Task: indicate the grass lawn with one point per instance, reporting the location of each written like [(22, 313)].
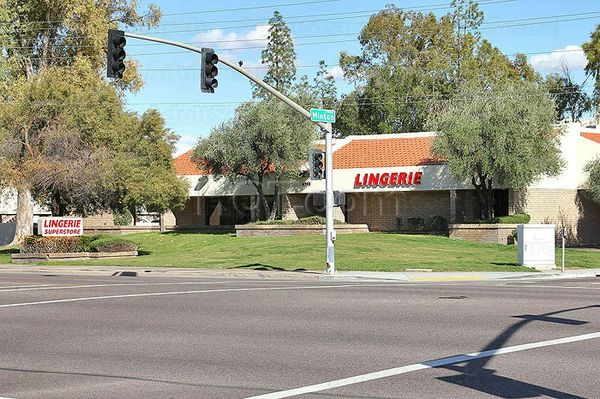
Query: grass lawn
[(364, 252)]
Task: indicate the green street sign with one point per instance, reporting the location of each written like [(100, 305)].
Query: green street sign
[(322, 115)]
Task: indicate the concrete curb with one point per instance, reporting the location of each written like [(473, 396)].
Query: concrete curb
[(412, 277)]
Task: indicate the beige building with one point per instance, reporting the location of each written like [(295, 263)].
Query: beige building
[(391, 182)]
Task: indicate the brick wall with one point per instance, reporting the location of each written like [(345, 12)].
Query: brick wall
[(193, 214), (390, 211), (102, 219), (565, 208)]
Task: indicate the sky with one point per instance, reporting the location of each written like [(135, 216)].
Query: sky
[(550, 32)]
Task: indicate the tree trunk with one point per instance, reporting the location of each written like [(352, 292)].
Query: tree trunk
[(24, 225), (278, 207)]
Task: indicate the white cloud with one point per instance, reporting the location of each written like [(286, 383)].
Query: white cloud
[(230, 42), (336, 72), (572, 56), (185, 143)]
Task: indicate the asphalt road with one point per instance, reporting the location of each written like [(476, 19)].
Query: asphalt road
[(134, 337)]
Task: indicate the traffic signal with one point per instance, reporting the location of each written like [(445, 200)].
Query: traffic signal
[(316, 162), (115, 65), (209, 71)]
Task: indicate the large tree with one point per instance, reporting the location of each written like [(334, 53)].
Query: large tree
[(593, 181), (410, 59), (592, 53), (499, 136), (263, 139), (39, 35), (279, 56), (570, 100)]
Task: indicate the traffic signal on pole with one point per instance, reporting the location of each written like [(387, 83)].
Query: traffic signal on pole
[(209, 71), (316, 162), (115, 65)]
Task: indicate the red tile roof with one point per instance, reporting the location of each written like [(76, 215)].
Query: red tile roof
[(591, 136), (360, 153), (185, 166), (386, 152)]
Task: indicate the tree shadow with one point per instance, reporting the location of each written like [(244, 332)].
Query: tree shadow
[(504, 263), (8, 251), (475, 375), (142, 252), (263, 267)]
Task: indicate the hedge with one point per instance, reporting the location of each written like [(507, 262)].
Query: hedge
[(94, 243)]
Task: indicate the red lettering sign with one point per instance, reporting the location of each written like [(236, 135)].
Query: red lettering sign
[(61, 226), (389, 180)]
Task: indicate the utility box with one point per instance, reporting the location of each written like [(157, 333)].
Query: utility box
[(536, 246)]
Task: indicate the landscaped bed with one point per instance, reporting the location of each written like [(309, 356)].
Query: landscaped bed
[(361, 251), (38, 248)]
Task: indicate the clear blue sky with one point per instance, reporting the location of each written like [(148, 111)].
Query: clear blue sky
[(321, 29)]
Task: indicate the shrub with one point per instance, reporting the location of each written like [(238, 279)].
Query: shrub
[(112, 244), (436, 223), (39, 244), (304, 221), (122, 218), (517, 218), (415, 224)]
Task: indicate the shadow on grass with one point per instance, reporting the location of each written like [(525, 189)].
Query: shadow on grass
[(262, 267), (200, 231), (504, 263), (9, 251), (144, 253)]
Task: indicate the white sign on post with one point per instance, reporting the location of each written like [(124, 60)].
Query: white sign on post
[(60, 227)]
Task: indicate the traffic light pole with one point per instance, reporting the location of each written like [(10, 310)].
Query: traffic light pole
[(325, 127)]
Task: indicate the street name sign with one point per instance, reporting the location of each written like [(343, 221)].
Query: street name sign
[(322, 115)]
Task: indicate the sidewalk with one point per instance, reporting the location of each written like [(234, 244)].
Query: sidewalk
[(108, 271)]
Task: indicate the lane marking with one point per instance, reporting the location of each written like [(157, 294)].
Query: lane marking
[(567, 287), (421, 366), (2, 288), (96, 298), (448, 278), (68, 287)]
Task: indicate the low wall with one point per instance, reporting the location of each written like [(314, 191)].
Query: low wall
[(121, 230), (249, 230), (56, 257), (490, 233)]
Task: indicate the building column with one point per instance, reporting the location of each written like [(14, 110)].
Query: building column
[(452, 207)]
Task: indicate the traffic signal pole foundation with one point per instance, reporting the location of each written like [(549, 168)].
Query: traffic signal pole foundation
[(325, 128)]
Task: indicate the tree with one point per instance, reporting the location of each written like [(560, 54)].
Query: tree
[(36, 36), (324, 88), (263, 139), (592, 53), (498, 137), (570, 100), (279, 56), (410, 59), (593, 182), (83, 154)]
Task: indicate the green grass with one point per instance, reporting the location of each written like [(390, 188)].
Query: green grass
[(357, 252), (5, 255)]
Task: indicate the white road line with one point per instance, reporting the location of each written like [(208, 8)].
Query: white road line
[(566, 287), (2, 288), (70, 287), (421, 366), (95, 298)]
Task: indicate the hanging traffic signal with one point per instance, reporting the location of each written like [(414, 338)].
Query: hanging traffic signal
[(316, 162), (115, 65), (209, 71)]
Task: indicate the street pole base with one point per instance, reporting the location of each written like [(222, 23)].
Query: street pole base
[(330, 268)]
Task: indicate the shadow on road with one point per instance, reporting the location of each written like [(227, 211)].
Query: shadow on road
[(475, 375), (263, 267)]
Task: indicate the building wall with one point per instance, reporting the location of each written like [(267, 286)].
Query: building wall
[(193, 214), (567, 208), (102, 219), (389, 211)]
